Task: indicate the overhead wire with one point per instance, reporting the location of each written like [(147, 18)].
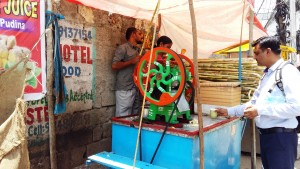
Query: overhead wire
[(260, 7)]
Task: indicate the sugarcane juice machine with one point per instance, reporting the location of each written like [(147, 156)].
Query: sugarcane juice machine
[(169, 87)]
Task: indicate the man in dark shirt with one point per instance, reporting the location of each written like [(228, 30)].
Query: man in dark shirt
[(124, 61)]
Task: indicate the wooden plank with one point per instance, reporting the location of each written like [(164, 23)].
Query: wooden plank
[(237, 100), (220, 84), (223, 97), (219, 94), (220, 103), (222, 90)]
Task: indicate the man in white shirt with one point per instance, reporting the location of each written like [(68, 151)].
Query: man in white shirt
[(274, 111)]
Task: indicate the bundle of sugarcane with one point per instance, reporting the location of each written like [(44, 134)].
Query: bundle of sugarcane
[(226, 70)]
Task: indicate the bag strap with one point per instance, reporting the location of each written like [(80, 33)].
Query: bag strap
[(278, 77)]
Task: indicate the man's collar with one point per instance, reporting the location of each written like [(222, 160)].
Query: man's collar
[(130, 44), (276, 64)]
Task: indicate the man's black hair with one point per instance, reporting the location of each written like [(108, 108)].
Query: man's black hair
[(271, 42), (164, 40), (129, 31)]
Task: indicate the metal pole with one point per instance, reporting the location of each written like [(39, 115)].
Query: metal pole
[(281, 26), (251, 32), (293, 29), (50, 70), (253, 146), (252, 123), (293, 22), (196, 78)]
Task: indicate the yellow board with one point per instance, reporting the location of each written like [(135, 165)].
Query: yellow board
[(285, 50)]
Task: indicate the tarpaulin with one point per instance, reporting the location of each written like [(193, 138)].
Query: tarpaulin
[(219, 22)]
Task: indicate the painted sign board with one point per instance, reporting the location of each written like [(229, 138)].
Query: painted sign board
[(77, 52)]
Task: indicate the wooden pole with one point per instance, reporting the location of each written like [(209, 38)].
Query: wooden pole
[(196, 78), (52, 136), (252, 125), (50, 70)]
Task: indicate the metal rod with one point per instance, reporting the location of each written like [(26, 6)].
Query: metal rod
[(252, 133), (253, 147), (293, 30)]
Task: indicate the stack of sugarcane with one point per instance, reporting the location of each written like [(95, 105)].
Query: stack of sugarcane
[(226, 70)]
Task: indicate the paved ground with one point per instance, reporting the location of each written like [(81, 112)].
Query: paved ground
[(246, 159), (246, 162)]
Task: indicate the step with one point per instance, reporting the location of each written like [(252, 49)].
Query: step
[(110, 159)]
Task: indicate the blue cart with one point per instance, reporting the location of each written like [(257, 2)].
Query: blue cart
[(179, 148)]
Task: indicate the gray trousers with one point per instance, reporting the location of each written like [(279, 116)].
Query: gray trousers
[(127, 102)]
